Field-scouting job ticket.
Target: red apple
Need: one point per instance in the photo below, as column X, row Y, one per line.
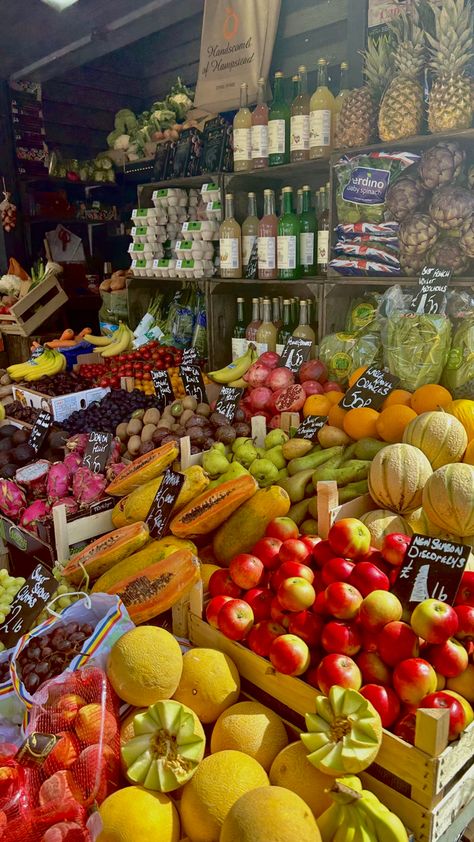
column 319, row 606
column 465, row 622
column 366, row 577
column 444, row 701
column 64, row 754
column 349, row 538
column 282, row 528
column 341, row 638
column 260, row 601
column 296, row 594
column 465, row 594
column 221, row 584
column 405, row 726
column 394, row 547
column 413, row 679
column 289, row 655
column 289, row 569
column 373, row 669
column 322, row 552
column 369, row 640
column 277, row 615
column 267, row 550
column 262, row 635
column 213, row 608
column 332, row 386
column 449, row 658
column 338, row 669
column 294, row 550
column 311, row 542
column 235, row 619
column 94, row 724
column 69, row 705
column 246, row 571
column 336, row 570
column 378, row 609
column 306, row 625
column 385, row 702
column 342, row 600
column 434, row 621
column 97, row 771
column 396, row 642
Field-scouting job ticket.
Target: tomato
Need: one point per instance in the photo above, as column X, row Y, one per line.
column 104, row 382
column 148, row 367
column 147, row 376
column 169, row 359
column 159, row 365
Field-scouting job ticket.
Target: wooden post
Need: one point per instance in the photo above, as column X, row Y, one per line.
column 328, row 500
column 186, row 457
column 289, row 420
column 259, row 430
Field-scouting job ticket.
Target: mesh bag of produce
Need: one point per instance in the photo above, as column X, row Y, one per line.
column 11, row 708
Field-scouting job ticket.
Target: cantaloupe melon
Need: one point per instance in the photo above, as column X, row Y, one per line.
column 291, row 769
column 133, row 814
column 397, row 476
column 441, row 437
column 209, row 683
column 145, row 665
column 448, row 498
column 252, row 728
column 381, row 522
column 270, row 813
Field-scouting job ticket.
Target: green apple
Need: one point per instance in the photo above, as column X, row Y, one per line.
column 275, row 454
column 274, row 438
column 264, row 471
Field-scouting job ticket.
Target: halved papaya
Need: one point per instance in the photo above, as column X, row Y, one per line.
column 102, row 554
column 143, row 469
column 211, row 508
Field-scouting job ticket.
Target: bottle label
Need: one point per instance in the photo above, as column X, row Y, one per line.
column 266, row 253
column 259, row 141
column 247, row 246
column 320, row 128
column 239, row 347
column 276, row 137
column 300, row 133
column 287, row 252
column 323, row 247
column 229, row 253
column 279, row 349
column 307, row 248
column 262, row 347
column 242, row 145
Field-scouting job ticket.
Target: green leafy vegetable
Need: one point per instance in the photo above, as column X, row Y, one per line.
column 417, row 347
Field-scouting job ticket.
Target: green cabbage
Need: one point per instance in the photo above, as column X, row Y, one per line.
column 125, row 121
column 180, row 103
column 163, row 118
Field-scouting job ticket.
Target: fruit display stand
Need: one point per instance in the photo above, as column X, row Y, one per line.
column 83, row 528
column 34, row 308
column 62, row 406
column 186, row 458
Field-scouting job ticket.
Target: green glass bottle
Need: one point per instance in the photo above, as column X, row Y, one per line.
column 308, row 236
column 288, row 241
column 279, row 126
column 239, row 343
column 286, row 329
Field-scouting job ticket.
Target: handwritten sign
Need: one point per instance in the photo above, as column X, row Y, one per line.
column 161, row 509
column 295, row 353
column 370, row 389
column 190, row 356
column 105, row 505
column 28, row 604
column 432, row 288
column 193, row 383
column 163, row 389
column 40, row 430
column 311, row 426
column 97, row 452
column 227, row 401
column 432, row 569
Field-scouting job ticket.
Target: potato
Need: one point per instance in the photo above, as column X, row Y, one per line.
column 134, row 445
column 134, row 427
column 121, row 431
column 147, row 432
column 152, row 416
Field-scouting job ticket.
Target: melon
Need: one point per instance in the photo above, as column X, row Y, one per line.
column 381, row 522
column 441, row 437
column 270, row 813
column 448, row 498
column 209, row 683
column 145, row 665
column 397, row 476
column 133, row 814
column 421, row 524
column 463, row 410
column 292, row 770
column 252, row 728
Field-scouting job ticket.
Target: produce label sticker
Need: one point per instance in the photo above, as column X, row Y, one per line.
column 295, row 353
column 311, row 426
column 105, row 505
column 432, row 569
column 227, row 401
column 28, row 604
column 432, row 288
column 190, row 356
column 161, row 509
column 139, row 213
column 163, row 389
column 367, row 186
column 35, row 749
column 97, row 452
column 40, row 430
column 370, row 389
column 193, row 383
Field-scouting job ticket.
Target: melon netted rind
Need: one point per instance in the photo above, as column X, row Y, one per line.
column 145, row 665
column 209, row 684
column 448, row 498
column 440, row 436
column 132, row 813
column 397, row 476
column 382, row 522
column 252, row 728
column 270, row 813
column 292, row 770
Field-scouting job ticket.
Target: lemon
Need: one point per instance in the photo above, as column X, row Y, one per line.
column 209, row 683
column 133, row 814
column 252, row 728
column 145, row 666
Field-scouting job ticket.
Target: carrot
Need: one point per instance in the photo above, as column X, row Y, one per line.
column 67, row 334
column 84, row 332
column 61, row 343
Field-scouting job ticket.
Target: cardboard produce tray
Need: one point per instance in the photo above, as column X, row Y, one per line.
column 62, row 406
column 34, row 308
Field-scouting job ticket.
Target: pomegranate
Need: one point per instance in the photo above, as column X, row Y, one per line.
column 257, row 374
column 259, row 399
column 313, row 370
column 280, row 378
column 291, row 399
column 312, row 387
column 332, row 386
column 272, row 403
column 269, row 358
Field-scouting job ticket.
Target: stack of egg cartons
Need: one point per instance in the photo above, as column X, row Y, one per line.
column 148, row 237
column 195, row 251
column 174, row 202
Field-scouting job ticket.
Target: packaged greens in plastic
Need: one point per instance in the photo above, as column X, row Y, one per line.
column 362, row 312
column 458, row 374
column 368, row 349
column 363, row 181
column 199, row 340
column 335, row 351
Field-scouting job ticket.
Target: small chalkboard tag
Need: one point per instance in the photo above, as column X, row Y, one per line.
column 295, row 353
column 193, row 383
column 28, row 604
column 40, row 430
column 105, row 505
column 35, row 749
column 163, row 389
column 311, row 426
column 162, row 507
column 432, row 569
column 190, row 356
column 227, row 401
column 370, row 389
column 432, row 288
column 97, row 452
column 252, row 265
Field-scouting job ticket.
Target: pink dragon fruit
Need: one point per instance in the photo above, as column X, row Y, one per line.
column 114, row 470
column 78, row 443
column 12, row 499
column 33, row 478
column 72, row 462
column 58, row 481
column 115, row 452
column 88, row 487
column 34, row 514
column 69, row 502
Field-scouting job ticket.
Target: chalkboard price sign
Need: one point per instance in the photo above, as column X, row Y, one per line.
column 227, row 401
column 371, row 389
column 163, row 389
column 191, row 376
column 105, row 505
column 40, row 430
column 97, row 452
column 28, row 604
column 432, row 288
column 295, row 353
column 432, row 569
column 311, row 426
column 161, row 509
column 190, row 356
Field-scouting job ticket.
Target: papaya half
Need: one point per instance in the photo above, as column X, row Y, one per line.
column 211, row 508
column 106, row 551
column 143, row 469
column 153, row 552
column 136, row 505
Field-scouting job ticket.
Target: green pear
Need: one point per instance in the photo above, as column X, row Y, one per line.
column 368, row 448
column 218, row 445
column 283, row 473
column 295, row 486
column 246, row 454
column 274, row 438
column 240, row 440
column 214, row 462
column 264, row 471
column 261, row 452
column 234, row 470
column 275, row 454
column 299, row 511
column 309, row 527
column 313, row 460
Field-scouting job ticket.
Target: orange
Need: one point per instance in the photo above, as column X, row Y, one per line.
column 356, row 374
column 316, row 405
column 334, row 397
column 336, row 416
column 361, row 423
column 399, row 397
column 392, row 422
column 429, row 398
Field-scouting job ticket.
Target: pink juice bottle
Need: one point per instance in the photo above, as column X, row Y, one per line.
column 260, row 129
column 267, row 238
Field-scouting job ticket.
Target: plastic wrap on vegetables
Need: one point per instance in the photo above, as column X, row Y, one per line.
column 368, row 349
column 335, row 351
column 363, row 181
column 416, row 347
column 458, row 374
column 362, row 312
column 199, row 340
column 359, row 267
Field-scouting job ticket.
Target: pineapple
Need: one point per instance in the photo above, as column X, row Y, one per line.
column 450, row 105
column 401, row 109
column 358, row 118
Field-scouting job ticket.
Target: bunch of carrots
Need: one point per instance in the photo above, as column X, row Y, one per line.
column 67, row 339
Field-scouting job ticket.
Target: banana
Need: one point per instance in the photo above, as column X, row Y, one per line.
column 100, row 341
column 124, row 341
column 388, row 827
column 330, row 821
column 236, row 370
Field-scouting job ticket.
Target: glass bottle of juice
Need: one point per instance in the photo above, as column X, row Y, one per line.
column 276, row 319
column 308, row 236
column 230, row 242
column 288, row 244
column 321, row 115
column 339, row 101
column 260, row 129
column 253, row 326
column 286, row 329
column 304, row 331
column 267, row 332
column 299, row 146
column 295, row 89
column 323, row 232
column 279, row 126
column 242, row 133
column 267, row 238
column 249, row 230
column 239, row 343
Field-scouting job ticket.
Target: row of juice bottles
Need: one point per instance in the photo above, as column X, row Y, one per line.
column 285, row 132
column 294, row 245
column 273, row 321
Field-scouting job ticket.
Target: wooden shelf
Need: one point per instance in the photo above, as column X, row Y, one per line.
column 407, row 143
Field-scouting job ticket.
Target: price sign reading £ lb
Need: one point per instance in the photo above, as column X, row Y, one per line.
column 295, row 353
column 40, row 430
column 432, row 569
column 97, row 452
column 371, row 389
column 161, row 509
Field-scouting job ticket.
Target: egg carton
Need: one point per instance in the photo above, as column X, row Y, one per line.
column 170, row 197
column 201, row 230
column 210, row 193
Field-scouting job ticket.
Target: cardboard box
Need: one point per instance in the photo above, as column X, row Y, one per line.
column 62, row 406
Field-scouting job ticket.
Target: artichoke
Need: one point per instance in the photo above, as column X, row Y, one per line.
column 466, row 240
column 470, row 177
column 451, row 206
column 411, row 264
column 447, row 254
column 441, row 165
column 404, row 197
column 417, row 234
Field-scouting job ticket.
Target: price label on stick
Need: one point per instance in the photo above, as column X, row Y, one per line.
column 370, row 389
column 432, row 288
column 40, row 430
column 163, row 389
column 311, row 426
column 161, row 509
column 190, row 356
column 432, row 569
column 97, row 452
column 193, row 383
column 28, row 604
column 295, row 353
column 227, row 401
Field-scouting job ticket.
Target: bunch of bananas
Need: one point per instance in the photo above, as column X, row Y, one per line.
column 110, row 346
column 232, row 374
column 46, row 364
column 357, row 815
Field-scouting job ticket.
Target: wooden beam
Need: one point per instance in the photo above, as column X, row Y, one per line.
column 89, row 98
column 314, row 16
column 77, row 115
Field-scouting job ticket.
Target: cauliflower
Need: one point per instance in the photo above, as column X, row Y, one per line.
column 180, row 103
column 122, row 142
column 163, row 119
column 10, row 285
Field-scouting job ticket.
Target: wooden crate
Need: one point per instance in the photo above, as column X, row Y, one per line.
column 34, row 308
column 67, row 533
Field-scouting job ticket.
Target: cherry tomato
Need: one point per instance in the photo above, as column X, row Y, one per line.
column 169, row 359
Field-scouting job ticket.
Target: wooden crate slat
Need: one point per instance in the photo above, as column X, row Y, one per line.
column 19, row 324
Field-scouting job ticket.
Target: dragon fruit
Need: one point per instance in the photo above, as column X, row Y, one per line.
column 33, row 478
column 69, row 502
column 12, row 499
column 58, row 481
column 72, row 462
column 114, row 470
column 115, row 452
column 88, row 487
column 78, row 443
column 34, row 514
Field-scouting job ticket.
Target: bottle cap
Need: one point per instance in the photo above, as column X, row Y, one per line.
column 287, row 190
column 278, row 75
